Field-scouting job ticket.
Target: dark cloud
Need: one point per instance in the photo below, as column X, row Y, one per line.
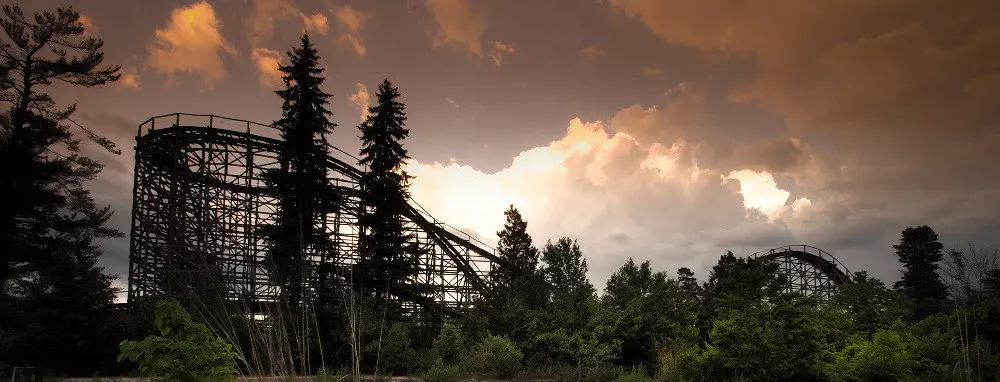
column 871, row 115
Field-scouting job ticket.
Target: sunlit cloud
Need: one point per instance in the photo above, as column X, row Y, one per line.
column 88, row 25
column 315, row 23
column 592, row 51
column 458, row 25
column 267, row 62
column 191, row 42
column 130, row 78
column 265, row 13
column 760, row 192
column 499, row 50
column 351, row 21
column 652, row 72
column 360, row 98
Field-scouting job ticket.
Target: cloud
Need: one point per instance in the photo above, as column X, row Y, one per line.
column 451, row 102
column 315, row 23
column 267, row 62
column 351, row 21
column 89, row 29
column 361, row 99
column 856, row 70
column 621, row 196
column 499, row 50
column 592, row 51
column 265, row 13
column 130, row 78
column 652, row 72
column 458, row 25
column 191, row 42
column 760, row 192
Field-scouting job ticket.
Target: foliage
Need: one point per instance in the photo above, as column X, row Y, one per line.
column 632, row 375
column 884, row 358
column 387, row 261
column 516, row 249
column 183, row 351
column 735, row 283
column 565, row 273
column 441, row 372
column 497, row 357
column 54, row 298
column 395, row 352
column 919, row 251
column 299, row 183
column 450, row 345
column 781, row 341
column 870, row 304
column 678, row 363
column 647, row 310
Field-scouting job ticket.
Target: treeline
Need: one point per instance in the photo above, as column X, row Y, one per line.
column 938, row 323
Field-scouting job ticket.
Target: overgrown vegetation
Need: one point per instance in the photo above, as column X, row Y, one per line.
column 184, row 350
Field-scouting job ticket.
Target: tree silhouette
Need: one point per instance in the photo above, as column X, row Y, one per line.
column 387, row 260
column 516, row 248
column 920, row 252
column 688, row 283
column 304, row 194
column 49, row 277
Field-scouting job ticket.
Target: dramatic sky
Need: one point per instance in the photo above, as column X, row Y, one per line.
column 667, row 130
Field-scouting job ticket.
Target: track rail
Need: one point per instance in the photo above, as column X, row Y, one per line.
column 808, row 270
column 162, row 141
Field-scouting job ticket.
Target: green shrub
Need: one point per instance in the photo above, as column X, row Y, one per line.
column 497, row 357
column 450, row 345
column 680, row 363
column 635, row 374
column 326, row 375
column 884, row 358
column 396, row 354
column 441, row 372
column 184, row 350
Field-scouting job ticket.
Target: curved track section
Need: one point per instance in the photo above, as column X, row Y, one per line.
column 807, row 270
column 199, row 195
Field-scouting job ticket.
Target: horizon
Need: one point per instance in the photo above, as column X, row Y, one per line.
column 686, row 133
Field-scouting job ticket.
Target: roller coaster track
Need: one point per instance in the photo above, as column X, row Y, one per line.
column 198, row 195
column 807, row 270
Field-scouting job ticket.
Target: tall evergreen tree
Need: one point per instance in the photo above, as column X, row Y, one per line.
column 300, row 184
column 387, row 260
column 516, row 248
column 53, row 295
column 920, row 252
column 688, row 283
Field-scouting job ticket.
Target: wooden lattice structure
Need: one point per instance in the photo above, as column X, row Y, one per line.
column 807, row 270
column 199, row 198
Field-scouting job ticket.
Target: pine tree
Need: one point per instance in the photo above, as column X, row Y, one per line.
column 49, row 277
column 516, row 249
column 300, row 184
column 688, row 283
column 388, row 260
column 919, row 251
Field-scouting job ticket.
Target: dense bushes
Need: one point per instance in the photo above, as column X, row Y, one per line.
column 183, row 351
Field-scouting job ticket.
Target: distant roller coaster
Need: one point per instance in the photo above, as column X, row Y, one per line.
column 807, row 270
column 199, row 197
